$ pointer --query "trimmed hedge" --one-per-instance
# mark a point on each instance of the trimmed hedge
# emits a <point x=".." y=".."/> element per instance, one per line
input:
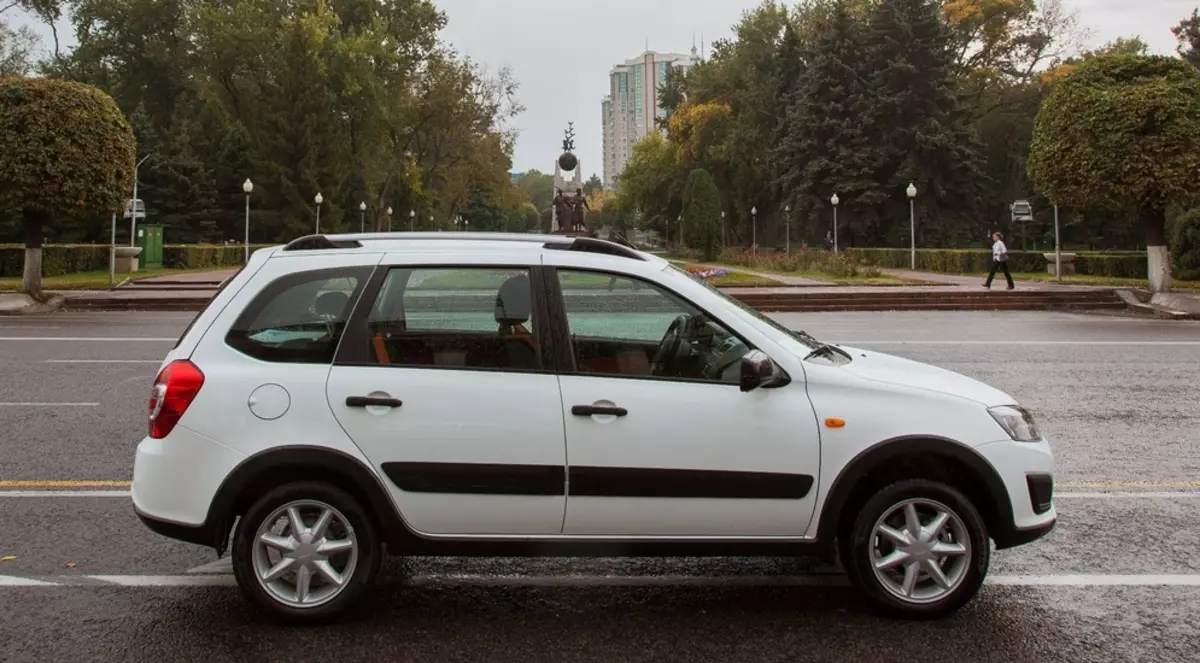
<point x="967" y="261"/>
<point x="200" y="256"/>
<point x="57" y="259"/>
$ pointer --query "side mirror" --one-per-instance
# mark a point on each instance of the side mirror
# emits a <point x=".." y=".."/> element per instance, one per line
<point x="760" y="372"/>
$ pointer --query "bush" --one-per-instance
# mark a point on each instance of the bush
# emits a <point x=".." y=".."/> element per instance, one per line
<point x="1185" y="246"/>
<point x="845" y="264"/>
<point x="202" y="256"/>
<point x="57" y="259"/>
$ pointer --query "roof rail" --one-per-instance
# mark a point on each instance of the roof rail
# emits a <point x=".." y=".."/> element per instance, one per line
<point x="621" y="247"/>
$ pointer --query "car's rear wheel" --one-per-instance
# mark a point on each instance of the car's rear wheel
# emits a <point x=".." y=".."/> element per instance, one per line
<point x="306" y="552"/>
<point x="918" y="549"/>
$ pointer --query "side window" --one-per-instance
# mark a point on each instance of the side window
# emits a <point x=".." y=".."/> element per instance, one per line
<point x="456" y="317"/>
<point x="626" y="327"/>
<point x="299" y="318"/>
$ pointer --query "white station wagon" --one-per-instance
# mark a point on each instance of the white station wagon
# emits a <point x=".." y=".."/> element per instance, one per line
<point x="346" y="397"/>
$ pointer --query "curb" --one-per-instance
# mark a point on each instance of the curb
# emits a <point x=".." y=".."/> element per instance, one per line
<point x="55" y="303"/>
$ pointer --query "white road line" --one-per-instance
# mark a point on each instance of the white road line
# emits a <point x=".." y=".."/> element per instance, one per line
<point x="223" y="565"/>
<point x="1167" y="495"/>
<point x="815" y="580"/>
<point x="103" y="361"/>
<point x="98" y="339"/>
<point x="65" y="493"/>
<point x="49" y="404"/>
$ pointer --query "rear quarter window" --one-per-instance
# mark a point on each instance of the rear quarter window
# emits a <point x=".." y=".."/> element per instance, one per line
<point x="299" y="318"/>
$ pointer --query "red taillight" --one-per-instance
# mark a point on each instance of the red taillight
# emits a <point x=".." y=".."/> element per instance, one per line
<point x="173" y="392"/>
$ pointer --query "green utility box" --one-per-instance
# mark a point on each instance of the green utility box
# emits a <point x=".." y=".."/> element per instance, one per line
<point x="150" y="238"/>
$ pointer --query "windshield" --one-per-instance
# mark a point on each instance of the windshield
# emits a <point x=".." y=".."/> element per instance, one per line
<point x="799" y="336"/>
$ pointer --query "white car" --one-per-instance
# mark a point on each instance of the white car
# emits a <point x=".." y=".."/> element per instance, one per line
<point x="347" y="396"/>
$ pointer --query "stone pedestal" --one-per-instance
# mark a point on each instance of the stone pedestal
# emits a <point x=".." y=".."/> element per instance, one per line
<point x="1068" y="263"/>
<point x="127" y="259"/>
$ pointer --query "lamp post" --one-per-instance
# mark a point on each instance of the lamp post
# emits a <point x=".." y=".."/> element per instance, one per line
<point x="912" y="225"/>
<point x="389" y="213"/>
<point x="362" y="217"/>
<point x="787" y="227"/>
<point x="682" y="245"/>
<point x="247" y="186"/>
<point x="318" y="200"/>
<point x="133" y="217"/>
<point x="754" y="230"/>
<point x="835" y="202"/>
<point x="722" y="227"/>
<point x="1057" y="248"/>
<point x="412" y="219"/>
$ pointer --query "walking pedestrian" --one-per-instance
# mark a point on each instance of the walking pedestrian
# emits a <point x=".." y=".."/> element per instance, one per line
<point x="999" y="261"/>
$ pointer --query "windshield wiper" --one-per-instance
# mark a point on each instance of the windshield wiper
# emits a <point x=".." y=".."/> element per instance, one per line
<point x="820" y="348"/>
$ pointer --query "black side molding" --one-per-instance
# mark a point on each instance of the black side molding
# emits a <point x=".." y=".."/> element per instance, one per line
<point x="369" y="401"/>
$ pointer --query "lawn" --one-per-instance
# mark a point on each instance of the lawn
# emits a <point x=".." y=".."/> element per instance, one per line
<point x="96" y="280"/>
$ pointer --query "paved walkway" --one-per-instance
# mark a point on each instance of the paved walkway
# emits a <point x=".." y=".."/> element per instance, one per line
<point x="976" y="282"/>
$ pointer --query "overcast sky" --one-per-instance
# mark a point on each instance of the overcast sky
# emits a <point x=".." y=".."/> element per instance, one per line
<point x="562" y="50"/>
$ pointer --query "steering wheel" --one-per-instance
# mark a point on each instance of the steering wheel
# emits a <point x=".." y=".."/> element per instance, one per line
<point x="668" y="347"/>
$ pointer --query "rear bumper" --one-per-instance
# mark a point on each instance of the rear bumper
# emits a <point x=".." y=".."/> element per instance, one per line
<point x="204" y="535"/>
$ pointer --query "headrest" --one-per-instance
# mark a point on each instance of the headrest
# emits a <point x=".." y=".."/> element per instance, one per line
<point x="332" y="303"/>
<point x="514" y="303"/>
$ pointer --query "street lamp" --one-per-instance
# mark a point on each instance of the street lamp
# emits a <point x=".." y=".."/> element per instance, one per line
<point x="787" y="227"/>
<point x="754" y="230"/>
<point x="389" y="213"/>
<point x="318" y="200"/>
<point x="912" y="224"/>
<point x="682" y="244"/>
<point x="412" y="218"/>
<point x="722" y="227"/>
<point x="362" y="218"/>
<point x="247" y="186"/>
<point x="134" y="215"/>
<point x="835" y="200"/>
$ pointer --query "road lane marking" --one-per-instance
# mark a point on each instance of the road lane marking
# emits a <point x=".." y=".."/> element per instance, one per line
<point x="65" y="493"/>
<point x="103" y="361"/>
<point x="1145" y="495"/>
<point x="1128" y="484"/>
<point x="30" y="404"/>
<point x="96" y="339"/>
<point x="223" y="565"/>
<point x="466" y="579"/>
<point x="63" y="483"/>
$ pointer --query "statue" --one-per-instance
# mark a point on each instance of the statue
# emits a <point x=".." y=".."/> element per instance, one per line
<point x="569" y="203"/>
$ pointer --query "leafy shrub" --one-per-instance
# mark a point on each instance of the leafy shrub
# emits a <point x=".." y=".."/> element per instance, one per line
<point x="57" y="259"/>
<point x="201" y="256"/>
<point x="1185" y="246"/>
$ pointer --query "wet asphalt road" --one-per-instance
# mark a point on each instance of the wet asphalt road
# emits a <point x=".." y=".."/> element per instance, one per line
<point x="1118" y="397"/>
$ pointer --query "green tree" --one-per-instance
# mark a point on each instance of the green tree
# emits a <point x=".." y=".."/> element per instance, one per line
<point x="1187" y="33"/>
<point x="702" y="213"/>
<point x="592" y="185"/>
<point x="65" y="151"/>
<point x="1122" y="132"/>
<point x="1185" y="245"/>
<point x="921" y="127"/>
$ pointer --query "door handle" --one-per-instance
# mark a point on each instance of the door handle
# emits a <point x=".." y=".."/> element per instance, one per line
<point x="368" y="401"/>
<point x="590" y="410"/>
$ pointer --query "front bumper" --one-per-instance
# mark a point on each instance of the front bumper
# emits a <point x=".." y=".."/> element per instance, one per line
<point x="1027" y="471"/>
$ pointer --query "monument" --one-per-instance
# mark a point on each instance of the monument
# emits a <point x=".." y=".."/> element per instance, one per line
<point x="569" y="202"/>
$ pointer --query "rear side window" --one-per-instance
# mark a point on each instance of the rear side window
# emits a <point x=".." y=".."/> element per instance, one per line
<point x="299" y="318"/>
<point x="220" y="289"/>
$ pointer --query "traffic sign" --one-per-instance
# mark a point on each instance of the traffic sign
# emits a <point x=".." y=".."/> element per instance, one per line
<point x="133" y="211"/>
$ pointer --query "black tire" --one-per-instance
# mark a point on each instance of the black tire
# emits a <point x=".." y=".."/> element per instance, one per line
<point x="856" y="549"/>
<point x="370" y="553"/>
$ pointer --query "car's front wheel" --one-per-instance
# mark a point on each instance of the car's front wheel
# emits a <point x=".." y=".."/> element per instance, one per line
<point x="918" y="549"/>
<point x="305" y="552"/>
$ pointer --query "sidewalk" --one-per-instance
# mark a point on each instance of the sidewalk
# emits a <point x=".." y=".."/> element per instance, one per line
<point x="976" y="282"/>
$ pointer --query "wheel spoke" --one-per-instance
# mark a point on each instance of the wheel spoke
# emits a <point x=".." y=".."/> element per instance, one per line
<point x="276" y="572"/>
<point x="892" y="560"/>
<point x="935" y="571"/>
<point x="911" y="573"/>
<point x="946" y="549"/>
<point x="935" y="527"/>
<point x="281" y="543"/>
<point x="303" y="580"/>
<point x="298" y="526"/>
<point x="897" y="538"/>
<point x="912" y="521"/>
<point x="334" y="547"/>
<point x="318" y="529"/>
<point x="326" y="569"/>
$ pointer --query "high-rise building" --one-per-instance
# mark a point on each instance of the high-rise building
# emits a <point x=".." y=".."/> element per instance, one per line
<point x="632" y="105"/>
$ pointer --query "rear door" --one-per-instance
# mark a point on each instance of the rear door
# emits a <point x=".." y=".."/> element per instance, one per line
<point x="443" y="381"/>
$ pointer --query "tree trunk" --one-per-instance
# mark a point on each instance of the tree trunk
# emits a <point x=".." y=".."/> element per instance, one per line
<point x="31" y="279"/>
<point x="1157" y="254"/>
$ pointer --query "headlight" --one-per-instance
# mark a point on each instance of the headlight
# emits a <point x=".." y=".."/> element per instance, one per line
<point x="1017" y="422"/>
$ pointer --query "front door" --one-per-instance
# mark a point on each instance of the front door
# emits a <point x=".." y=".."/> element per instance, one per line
<point x="661" y="440"/>
<point x="442" y="382"/>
